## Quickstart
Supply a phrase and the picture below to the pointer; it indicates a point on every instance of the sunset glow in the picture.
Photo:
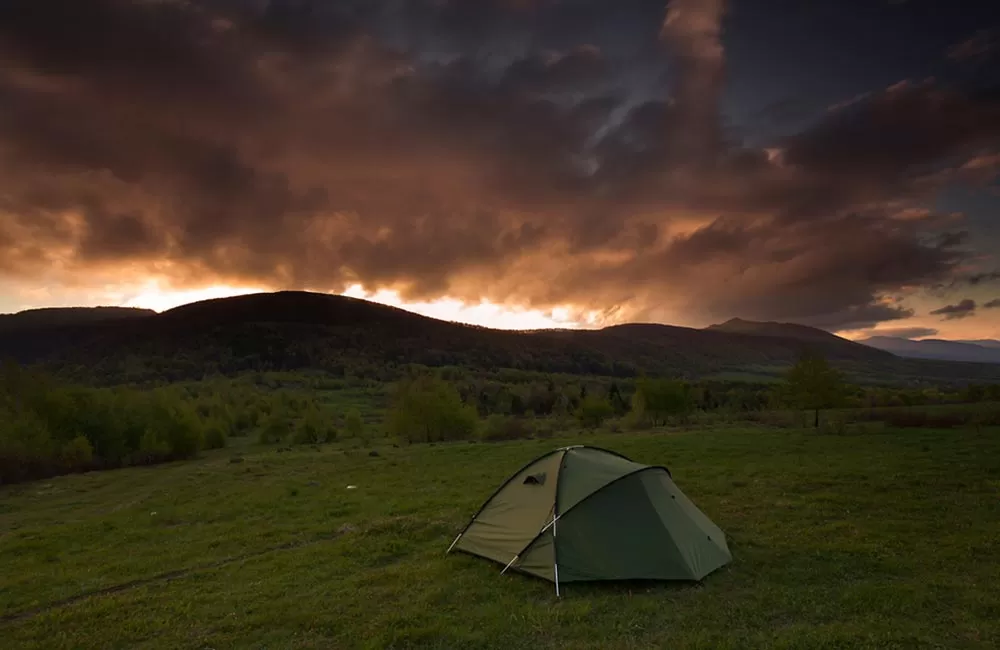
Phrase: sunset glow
(515, 165)
(159, 298)
(486, 313)
(154, 296)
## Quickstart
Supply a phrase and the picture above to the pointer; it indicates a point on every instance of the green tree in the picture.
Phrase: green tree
(659, 399)
(428, 409)
(593, 411)
(814, 385)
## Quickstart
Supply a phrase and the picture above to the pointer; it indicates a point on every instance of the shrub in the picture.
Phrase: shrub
(151, 450)
(499, 427)
(655, 400)
(274, 429)
(77, 454)
(430, 410)
(181, 431)
(215, 436)
(245, 421)
(48, 429)
(25, 448)
(594, 411)
(353, 424)
(310, 428)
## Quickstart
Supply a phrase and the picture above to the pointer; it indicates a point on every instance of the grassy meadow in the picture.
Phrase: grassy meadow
(882, 538)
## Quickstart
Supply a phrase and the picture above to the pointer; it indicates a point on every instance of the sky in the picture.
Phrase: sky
(512, 163)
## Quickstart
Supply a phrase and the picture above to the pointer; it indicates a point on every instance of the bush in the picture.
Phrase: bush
(274, 430)
(179, 428)
(215, 436)
(310, 429)
(245, 421)
(594, 411)
(151, 450)
(354, 425)
(77, 454)
(48, 429)
(499, 427)
(430, 410)
(26, 449)
(655, 400)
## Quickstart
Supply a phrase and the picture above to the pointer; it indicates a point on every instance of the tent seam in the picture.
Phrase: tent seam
(499, 489)
(555, 507)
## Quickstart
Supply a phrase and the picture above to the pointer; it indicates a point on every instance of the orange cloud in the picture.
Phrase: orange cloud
(222, 145)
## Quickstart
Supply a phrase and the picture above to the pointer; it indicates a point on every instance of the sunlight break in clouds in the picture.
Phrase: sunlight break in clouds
(154, 295)
(433, 150)
(486, 313)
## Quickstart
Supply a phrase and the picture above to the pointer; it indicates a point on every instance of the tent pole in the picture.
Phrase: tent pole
(555, 563)
(453, 544)
(512, 561)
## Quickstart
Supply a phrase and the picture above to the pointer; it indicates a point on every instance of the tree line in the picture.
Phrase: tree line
(49, 428)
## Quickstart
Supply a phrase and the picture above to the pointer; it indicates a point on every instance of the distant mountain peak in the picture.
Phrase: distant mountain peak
(985, 351)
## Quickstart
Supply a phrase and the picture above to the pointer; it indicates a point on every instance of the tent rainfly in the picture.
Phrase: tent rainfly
(582, 513)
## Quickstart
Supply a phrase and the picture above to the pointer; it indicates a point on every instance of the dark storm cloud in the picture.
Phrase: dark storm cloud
(981, 45)
(993, 304)
(906, 128)
(963, 309)
(981, 278)
(965, 280)
(536, 152)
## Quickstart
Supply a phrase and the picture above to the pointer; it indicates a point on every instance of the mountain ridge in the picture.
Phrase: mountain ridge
(54, 316)
(293, 331)
(936, 349)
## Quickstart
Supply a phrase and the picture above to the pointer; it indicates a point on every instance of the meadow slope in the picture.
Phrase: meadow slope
(878, 540)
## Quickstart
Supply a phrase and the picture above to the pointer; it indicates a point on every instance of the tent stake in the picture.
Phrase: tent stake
(453, 544)
(512, 561)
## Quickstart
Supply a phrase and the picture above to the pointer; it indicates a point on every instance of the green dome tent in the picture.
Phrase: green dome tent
(581, 513)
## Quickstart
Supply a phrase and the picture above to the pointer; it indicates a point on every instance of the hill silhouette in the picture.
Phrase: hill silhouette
(980, 351)
(291, 330)
(779, 330)
(53, 316)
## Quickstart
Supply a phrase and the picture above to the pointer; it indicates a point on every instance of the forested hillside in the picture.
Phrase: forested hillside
(293, 331)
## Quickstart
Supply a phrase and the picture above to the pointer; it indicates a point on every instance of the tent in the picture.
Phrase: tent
(582, 513)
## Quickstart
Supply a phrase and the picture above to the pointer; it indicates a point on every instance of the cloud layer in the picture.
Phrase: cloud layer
(536, 153)
(963, 309)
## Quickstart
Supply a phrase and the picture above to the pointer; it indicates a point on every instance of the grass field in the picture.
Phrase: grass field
(884, 540)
